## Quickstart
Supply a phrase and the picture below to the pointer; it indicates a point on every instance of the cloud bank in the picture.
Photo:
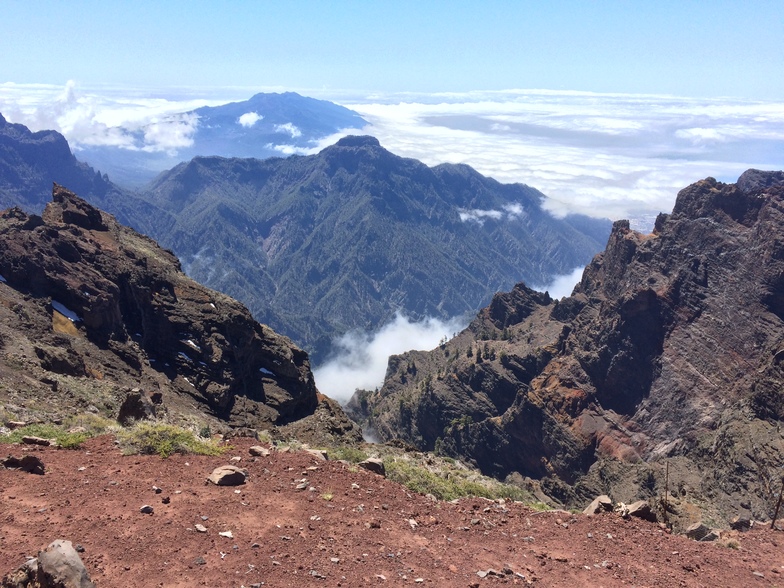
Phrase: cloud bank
(110, 117)
(360, 358)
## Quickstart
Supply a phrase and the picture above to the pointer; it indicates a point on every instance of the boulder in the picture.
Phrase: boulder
(319, 454)
(697, 531)
(28, 463)
(228, 475)
(374, 465)
(137, 406)
(600, 504)
(33, 440)
(57, 566)
(741, 524)
(259, 451)
(642, 510)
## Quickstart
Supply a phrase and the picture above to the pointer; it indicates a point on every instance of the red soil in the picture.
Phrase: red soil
(354, 529)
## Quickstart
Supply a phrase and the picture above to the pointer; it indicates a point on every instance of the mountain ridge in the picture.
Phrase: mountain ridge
(360, 224)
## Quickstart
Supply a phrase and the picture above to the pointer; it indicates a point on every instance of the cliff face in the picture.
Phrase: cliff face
(90, 309)
(669, 349)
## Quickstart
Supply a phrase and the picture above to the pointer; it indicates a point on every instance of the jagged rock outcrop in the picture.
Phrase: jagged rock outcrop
(90, 309)
(669, 349)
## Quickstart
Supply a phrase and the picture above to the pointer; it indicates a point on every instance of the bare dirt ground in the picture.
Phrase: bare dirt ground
(354, 528)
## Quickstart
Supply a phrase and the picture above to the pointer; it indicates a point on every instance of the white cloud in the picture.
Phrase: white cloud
(477, 215)
(360, 359)
(120, 117)
(170, 133)
(514, 210)
(289, 129)
(249, 119)
(562, 285)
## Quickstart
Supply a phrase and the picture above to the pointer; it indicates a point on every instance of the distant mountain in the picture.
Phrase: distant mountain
(669, 356)
(266, 125)
(322, 244)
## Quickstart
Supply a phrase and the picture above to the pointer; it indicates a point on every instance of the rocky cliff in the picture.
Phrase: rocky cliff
(90, 309)
(669, 351)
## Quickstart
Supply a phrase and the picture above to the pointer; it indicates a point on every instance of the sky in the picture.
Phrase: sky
(608, 107)
(683, 47)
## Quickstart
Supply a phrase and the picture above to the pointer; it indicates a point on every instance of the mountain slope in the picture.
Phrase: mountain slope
(319, 245)
(669, 351)
(266, 125)
(90, 309)
(31, 162)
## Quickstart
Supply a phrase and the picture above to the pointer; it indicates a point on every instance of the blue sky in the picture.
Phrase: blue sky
(691, 48)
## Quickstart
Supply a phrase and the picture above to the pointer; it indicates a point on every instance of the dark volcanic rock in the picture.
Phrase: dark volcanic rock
(98, 309)
(669, 349)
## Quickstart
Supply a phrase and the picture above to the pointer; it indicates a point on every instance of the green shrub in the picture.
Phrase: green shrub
(164, 440)
(347, 453)
(93, 424)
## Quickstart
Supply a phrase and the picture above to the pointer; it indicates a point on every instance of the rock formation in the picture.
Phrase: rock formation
(90, 310)
(670, 349)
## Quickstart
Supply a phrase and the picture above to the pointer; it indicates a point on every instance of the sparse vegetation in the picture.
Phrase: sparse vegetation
(448, 484)
(62, 437)
(165, 440)
(93, 424)
(347, 453)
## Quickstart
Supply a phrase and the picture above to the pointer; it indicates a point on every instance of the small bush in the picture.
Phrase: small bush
(165, 440)
(539, 506)
(93, 424)
(347, 453)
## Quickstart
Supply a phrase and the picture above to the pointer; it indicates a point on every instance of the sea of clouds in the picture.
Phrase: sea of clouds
(604, 155)
(610, 155)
